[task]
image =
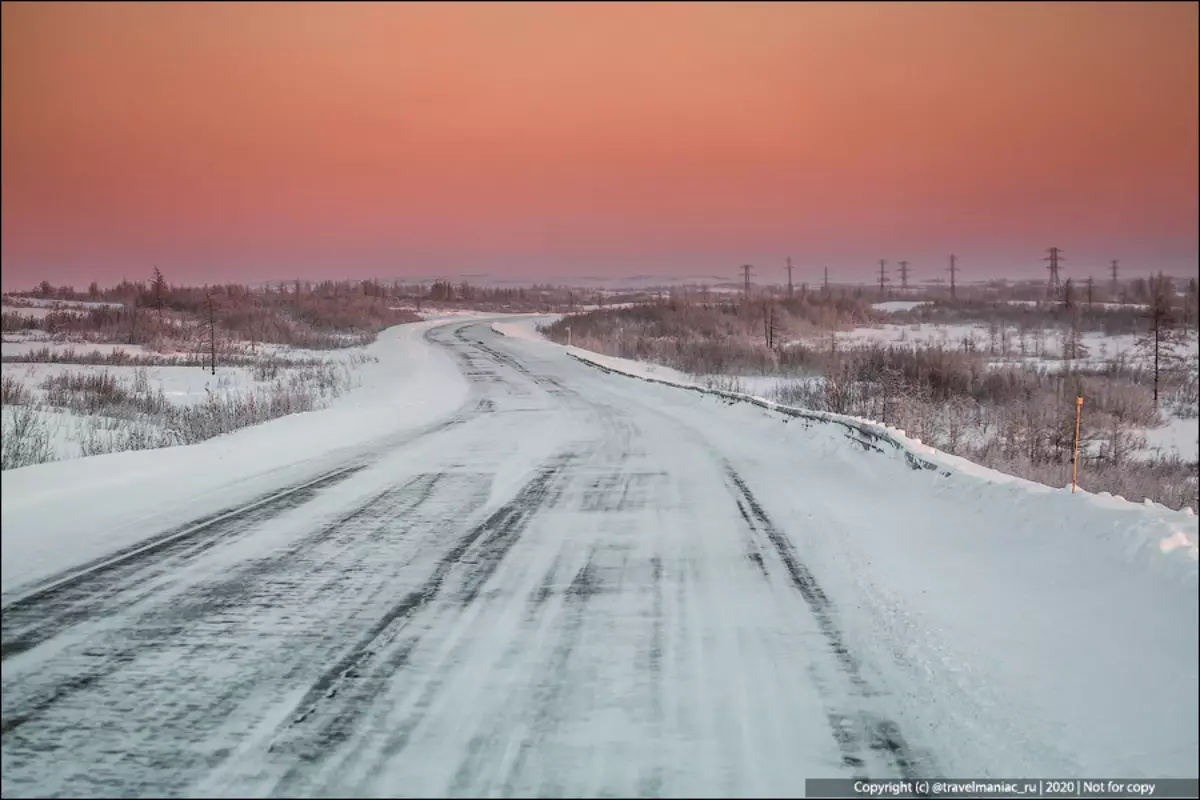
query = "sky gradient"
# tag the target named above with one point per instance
(268, 141)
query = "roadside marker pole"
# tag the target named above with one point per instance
(1075, 464)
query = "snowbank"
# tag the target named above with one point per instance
(525, 328)
(1153, 537)
(52, 512)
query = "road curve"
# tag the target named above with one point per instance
(563, 589)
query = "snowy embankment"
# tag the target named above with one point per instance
(52, 512)
(1146, 532)
(1152, 536)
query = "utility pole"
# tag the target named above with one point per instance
(882, 276)
(953, 269)
(1052, 286)
(826, 287)
(904, 276)
(1115, 285)
(212, 333)
(746, 271)
(791, 291)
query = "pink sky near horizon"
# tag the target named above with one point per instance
(265, 141)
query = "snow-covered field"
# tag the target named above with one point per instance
(1178, 437)
(892, 306)
(177, 385)
(1043, 349)
(37, 307)
(1036, 303)
(1043, 352)
(410, 385)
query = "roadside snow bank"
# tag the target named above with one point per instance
(525, 328)
(1147, 535)
(52, 512)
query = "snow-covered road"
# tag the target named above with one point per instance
(583, 584)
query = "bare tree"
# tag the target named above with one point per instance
(1191, 306)
(770, 324)
(1159, 338)
(159, 286)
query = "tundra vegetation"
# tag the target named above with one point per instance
(89, 372)
(998, 385)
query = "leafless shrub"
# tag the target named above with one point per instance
(104, 394)
(24, 438)
(12, 391)
(14, 322)
(723, 383)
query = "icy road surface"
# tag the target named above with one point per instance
(583, 584)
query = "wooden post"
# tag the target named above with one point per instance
(1075, 464)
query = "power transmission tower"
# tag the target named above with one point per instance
(1115, 285)
(746, 271)
(904, 276)
(791, 291)
(1053, 285)
(1091, 289)
(952, 270)
(882, 276)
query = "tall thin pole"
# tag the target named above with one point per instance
(212, 334)
(826, 287)
(791, 291)
(1075, 462)
(953, 269)
(746, 270)
(904, 276)
(882, 275)
(1115, 287)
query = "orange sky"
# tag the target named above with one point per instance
(259, 141)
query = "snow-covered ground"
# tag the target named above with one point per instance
(1100, 347)
(1178, 437)
(12, 346)
(178, 385)
(1035, 303)
(47, 507)
(581, 584)
(891, 306)
(39, 307)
